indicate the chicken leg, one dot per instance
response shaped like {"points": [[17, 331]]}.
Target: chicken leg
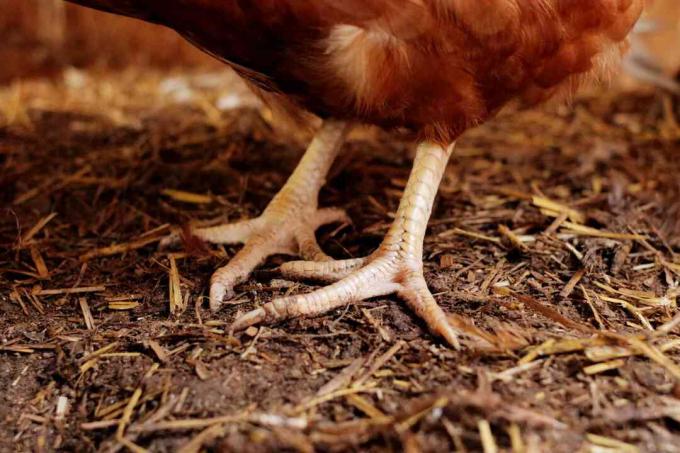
{"points": [[288, 223], [395, 267]]}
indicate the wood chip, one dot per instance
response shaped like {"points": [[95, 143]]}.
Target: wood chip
{"points": [[581, 230], [69, 291], [87, 314], [655, 355], [123, 305], [189, 424], [343, 378], [614, 444], [571, 284], [177, 305], [488, 441], [555, 209], [119, 249], [39, 262], [159, 350], [603, 367], [470, 234], [188, 197], [37, 228], [379, 362], [364, 406], [374, 322], [511, 237]]}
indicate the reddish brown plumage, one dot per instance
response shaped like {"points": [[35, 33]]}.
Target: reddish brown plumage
{"points": [[434, 67]]}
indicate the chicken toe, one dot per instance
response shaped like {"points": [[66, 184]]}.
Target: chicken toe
{"points": [[395, 267], [291, 233], [287, 225]]}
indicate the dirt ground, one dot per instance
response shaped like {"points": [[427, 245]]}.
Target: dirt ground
{"points": [[553, 244]]}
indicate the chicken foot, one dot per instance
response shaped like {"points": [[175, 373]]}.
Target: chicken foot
{"points": [[287, 225], [395, 267]]}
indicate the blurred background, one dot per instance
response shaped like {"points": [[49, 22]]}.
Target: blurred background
{"points": [[42, 36]]}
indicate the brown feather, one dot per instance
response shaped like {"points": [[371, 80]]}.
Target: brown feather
{"points": [[434, 67]]}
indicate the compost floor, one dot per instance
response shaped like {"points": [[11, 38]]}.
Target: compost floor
{"points": [[553, 244]]}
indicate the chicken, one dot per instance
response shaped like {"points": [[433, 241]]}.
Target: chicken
{"points": [[431, 68]]}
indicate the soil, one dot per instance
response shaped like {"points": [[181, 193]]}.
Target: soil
{"points": [[554, 245]]}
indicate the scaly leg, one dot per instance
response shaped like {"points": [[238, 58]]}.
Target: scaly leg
{"points": [[288, 223], [395, 267]]}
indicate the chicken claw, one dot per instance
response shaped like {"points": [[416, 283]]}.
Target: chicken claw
{"points": [[395, 267], [290, 234], [287, 225]]}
